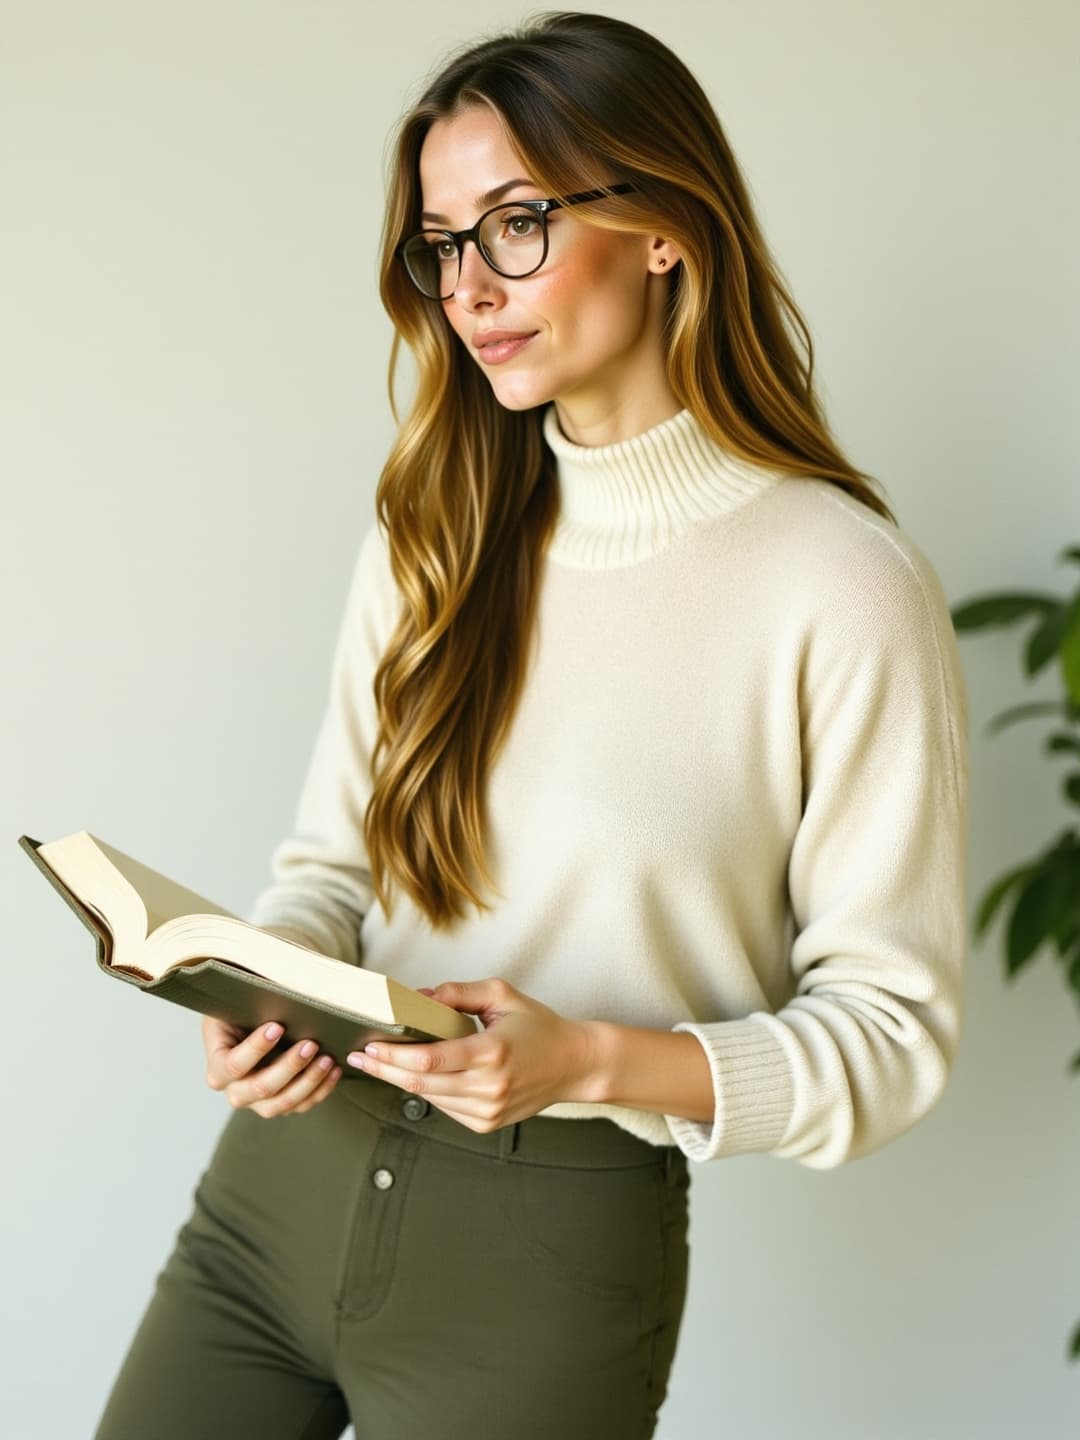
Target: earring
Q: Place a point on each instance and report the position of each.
(663, 262)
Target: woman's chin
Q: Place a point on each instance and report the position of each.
(519, 394)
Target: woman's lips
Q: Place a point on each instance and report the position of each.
(501, 350)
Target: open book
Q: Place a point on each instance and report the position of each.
(170, 942)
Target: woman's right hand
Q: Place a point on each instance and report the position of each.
(293, 1083)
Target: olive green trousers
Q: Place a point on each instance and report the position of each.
(373, 1260)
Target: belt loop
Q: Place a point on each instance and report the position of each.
(669, 1163)
(508, 1139)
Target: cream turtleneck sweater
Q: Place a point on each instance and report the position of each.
(733, 800)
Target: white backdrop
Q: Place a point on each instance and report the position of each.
(193, 414)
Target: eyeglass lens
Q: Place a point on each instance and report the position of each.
(511, 237)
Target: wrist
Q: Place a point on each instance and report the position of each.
(645, 1068)
(594, 1081)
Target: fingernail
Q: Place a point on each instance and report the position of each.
(308, 1048)
(272, 1032)
(355, 1058)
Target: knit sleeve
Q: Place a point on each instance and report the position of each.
(321, 878)
(877, 885)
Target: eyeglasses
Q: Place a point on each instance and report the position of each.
(512, 238)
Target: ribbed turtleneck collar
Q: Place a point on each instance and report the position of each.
(623, 502)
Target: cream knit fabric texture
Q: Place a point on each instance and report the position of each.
(733, 801)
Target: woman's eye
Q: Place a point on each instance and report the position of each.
(441, 249)
(520, 221)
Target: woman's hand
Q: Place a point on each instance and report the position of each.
(295, 1082)
(526, 1058)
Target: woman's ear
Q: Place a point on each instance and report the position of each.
(663, 256)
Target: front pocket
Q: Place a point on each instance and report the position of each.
(596, 1231)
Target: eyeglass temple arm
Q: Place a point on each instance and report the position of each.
(460, 236)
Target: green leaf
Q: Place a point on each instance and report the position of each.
(1064, 915)
(1071, 552)
(1045, 641)
(1068, 935)
(1044, 907)
(1072, 787)
(992, 898)
(1074, 1344)
(1002, 608)
(1070, 651)
(1074, 1063)
(1060, 740)
(1022, 712)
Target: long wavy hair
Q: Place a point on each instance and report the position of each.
(467, 497)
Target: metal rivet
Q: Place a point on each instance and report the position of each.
(382, 1179)
(414, 1107)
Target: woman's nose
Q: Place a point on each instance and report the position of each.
(476, 275)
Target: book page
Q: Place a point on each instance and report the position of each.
(163, 898)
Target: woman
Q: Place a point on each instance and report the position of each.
(645, 744)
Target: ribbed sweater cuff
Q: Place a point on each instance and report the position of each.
(752, 1088)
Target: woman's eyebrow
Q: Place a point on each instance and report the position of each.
(489, 197)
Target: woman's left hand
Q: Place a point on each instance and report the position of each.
(526, 1058)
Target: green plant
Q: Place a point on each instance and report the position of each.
(1045, 890)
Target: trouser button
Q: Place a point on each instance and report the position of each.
(414, 1107)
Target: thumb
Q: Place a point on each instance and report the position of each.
(475, 997)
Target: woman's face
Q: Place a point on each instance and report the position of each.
(594, 308)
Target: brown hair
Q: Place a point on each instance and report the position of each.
(587, 101)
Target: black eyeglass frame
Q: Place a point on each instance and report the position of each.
(540, 207)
